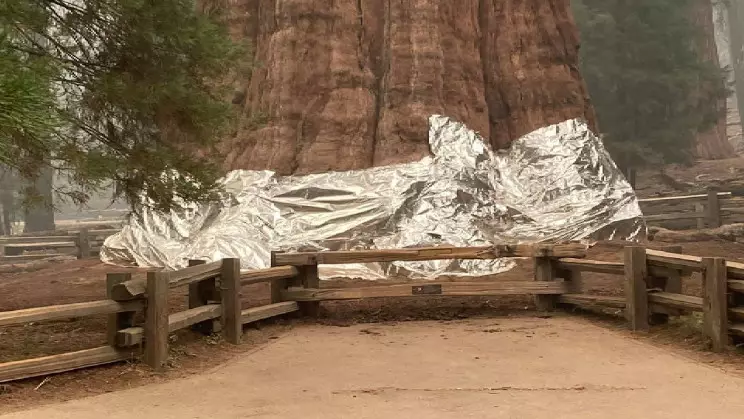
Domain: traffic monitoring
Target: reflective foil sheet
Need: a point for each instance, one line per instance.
(555, 184)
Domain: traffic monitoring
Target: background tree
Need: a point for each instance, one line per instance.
(651, 88)
(113, 92)
(735, 9)
(713, 143)
(27, 116)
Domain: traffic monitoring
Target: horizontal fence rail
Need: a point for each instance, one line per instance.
(8, 318)
(427, 289)
(596, 266)
(432, 253)
(684, 198)
(38, 246)
(251, 315)
(28, 368)
(268, 275)
(710, 210)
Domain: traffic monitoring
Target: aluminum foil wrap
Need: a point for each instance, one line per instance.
(557, 183)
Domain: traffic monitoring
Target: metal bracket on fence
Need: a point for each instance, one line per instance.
(433, 289)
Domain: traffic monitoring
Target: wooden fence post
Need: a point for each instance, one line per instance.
(715, 307)
(574, 280)
(700, 221)
(308, 275)
(636, 295)
(83, 243)
(714, 210)
(671, 282)
(232, 325)
(277, 285)
(200, 294)
(545, 271)
(156, 320)
(735, 301)
(117, 321)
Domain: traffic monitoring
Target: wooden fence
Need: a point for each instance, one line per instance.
(214, 304)
(24, 248)
(304, 288)
(710, 210)
(653, 290)
(653, 283)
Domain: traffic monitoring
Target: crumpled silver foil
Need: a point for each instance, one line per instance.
(555, 184)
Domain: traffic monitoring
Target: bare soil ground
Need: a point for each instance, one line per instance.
(560, 367)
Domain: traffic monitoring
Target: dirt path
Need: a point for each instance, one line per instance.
(485, 368)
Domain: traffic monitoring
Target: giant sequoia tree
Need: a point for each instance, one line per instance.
(349, 84)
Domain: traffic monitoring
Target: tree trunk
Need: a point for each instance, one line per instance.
(7, 200)
(712, 144)
(349, 84)
(736, 44)
(8, 187)
(39, 216)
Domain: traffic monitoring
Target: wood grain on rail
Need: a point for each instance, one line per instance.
(483, 288)
(37, 314)
(35, 367)
(266, 275)
(431, 253)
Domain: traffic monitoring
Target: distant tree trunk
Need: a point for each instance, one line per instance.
(712, 144)
(631, 176)
(8, 186)
(40, 215)
(736, 44)
(7, 200)
(350, 84)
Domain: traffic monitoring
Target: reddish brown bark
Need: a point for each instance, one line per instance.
(349, 84)
(712, 144)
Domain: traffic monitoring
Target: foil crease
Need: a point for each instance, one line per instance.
(557, 183)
